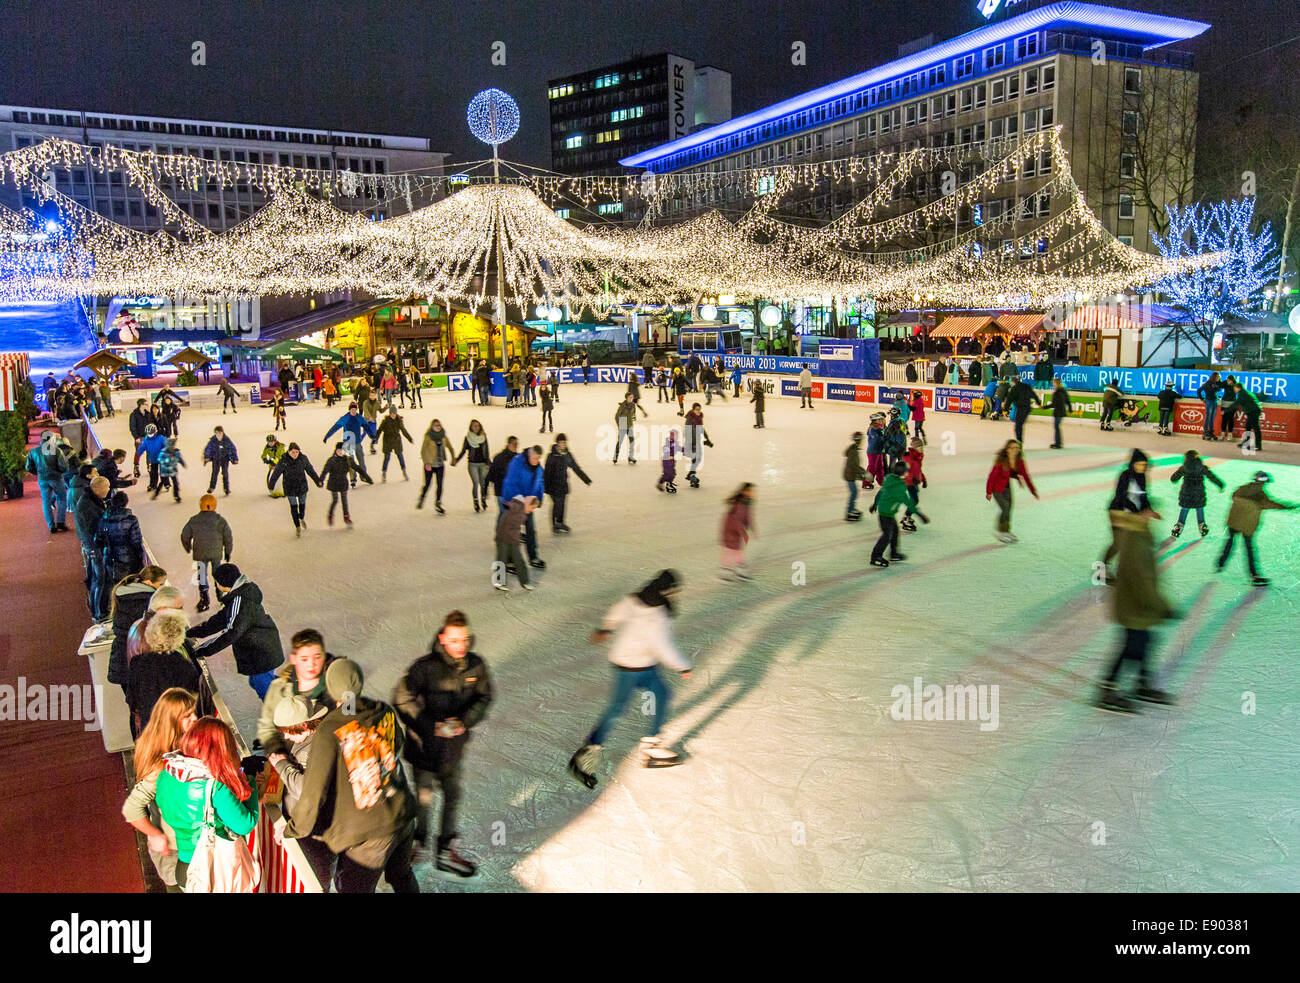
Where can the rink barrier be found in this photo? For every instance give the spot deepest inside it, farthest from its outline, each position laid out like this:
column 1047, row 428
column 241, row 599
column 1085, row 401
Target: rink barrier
column 284, row 868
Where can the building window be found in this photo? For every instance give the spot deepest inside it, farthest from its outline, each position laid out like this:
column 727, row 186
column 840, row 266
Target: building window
column 1013, row 87
column 1132, row 80
column 999, row 92
column 910, row 117
column 967, row 99
column 1026, row 47
column 884, row 122
column 562, row 213
column 1125, row 206
column 1128, row 165
column 1046, row 117
column 1130, row 123
column 1030, row 121
column 573, row 142
column 871, row 126
column 1049, row 77
column 921, row 108
column 995, row 57
column 611, row 208
column 1125, row 240
column 981, row 92
column 1031, row 81
column 950, row 104
column 963, row 67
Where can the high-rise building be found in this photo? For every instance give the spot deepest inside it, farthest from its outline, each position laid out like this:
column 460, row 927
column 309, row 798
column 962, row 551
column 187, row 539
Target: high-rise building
column 365, row 154
column 1124, row 99
column 601, row 115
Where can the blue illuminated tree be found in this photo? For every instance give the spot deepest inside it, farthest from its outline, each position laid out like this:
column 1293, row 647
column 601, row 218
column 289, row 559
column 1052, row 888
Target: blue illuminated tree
column 1231, row 285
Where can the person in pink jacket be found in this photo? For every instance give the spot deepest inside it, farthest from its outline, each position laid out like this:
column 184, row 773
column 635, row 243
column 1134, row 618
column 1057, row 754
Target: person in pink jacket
column 737, row 527
column 917, row 405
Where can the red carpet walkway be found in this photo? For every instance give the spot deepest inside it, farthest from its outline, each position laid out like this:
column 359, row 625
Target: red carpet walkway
column 61, row 827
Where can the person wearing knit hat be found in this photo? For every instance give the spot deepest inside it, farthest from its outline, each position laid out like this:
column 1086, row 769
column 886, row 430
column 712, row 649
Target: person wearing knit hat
column 643, row 640
column 296, row 469
column 86, row 515
column 853, row 473
column 154, row 444
column 1130, row 496
column 209, row 541
column 1248, row 505
column 356, row 785
column 50, row 467
column 244, row 626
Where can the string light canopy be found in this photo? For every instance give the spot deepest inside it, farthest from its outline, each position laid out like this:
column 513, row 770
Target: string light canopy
column 502, row 237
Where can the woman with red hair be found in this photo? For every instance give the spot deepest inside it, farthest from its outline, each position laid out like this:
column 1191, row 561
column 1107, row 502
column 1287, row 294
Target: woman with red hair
column 207, row 753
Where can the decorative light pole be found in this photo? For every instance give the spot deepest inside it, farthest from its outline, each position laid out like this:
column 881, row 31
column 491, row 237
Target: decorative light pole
column 494, row 118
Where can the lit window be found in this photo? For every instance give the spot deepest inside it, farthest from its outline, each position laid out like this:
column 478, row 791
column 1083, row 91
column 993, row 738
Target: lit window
column 1026, row 47
column 611, row 208
column 963, row 67
column 562, row 213
column 573, row 142
column 995, row 56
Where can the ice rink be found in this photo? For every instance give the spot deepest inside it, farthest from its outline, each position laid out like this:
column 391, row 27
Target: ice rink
column 797, row 777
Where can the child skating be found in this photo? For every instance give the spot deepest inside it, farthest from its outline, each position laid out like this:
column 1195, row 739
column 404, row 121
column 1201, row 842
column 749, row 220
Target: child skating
column 509, row 535
column 758, row 399
column 271, row 454
column 853, row 473
column 892, row 495
column 207, row 539
column 914, row 481
column 668, row 477
column 170, row 461
column 1008, row 466
column 737, row 528
column 1191, row 495
column 917, row 407
column 875, row 452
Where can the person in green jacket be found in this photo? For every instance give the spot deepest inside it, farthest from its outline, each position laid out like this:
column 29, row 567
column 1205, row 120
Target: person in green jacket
column 893, row 493
column 206, row 756
column 1248, row 504
column 853, row 473
column 1138, row 606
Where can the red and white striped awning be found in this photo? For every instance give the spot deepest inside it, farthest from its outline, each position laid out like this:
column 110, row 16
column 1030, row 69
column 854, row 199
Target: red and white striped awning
column 14, row 368
column 1105, row 318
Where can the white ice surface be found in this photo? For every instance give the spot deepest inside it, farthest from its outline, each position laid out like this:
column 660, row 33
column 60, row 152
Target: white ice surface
column 797, row 778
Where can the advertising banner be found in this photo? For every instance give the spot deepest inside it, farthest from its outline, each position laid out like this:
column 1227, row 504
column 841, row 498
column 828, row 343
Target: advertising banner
column 852, row 392
column 848, row 358
column 887, row 394
column 765, row 363
column 1276, row 423
column 771, row 384
column 255, row 394
column 1280, row 387
column 790, row 387
column 951, row 400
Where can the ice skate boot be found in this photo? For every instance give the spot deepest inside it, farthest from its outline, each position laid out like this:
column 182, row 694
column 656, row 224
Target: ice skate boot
column 1177, row 530
column 205, row 599
column 1260, row 581
column 655, row 755
column 451, row 862
column 670, row 488
column 694, row 479
column 854, row 516
column 583, row 764
column 1149, row 694
column 1205, row 529
column 1109, row 698
column 882, row 562
column 908, row 523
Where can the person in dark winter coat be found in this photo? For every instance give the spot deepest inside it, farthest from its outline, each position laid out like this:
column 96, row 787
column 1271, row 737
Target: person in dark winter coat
column 625, row 420
column 909, row 372
column 170, row 461
column 1130, row 496
column 1228, row 408
column 1248, row 406
column 1168, row 396
column 975, row 374
column 1138, row 607
column 853, row 473
column 1248, row 504
column 555, row 480
column 355, row 428
column 1061, row 408
column 1110, row 397
column 86, row 517
column 1022, row 397
column 507, row 536
column 209, row 541
column 295, row 469
column 440, row 699
column 130, row 601
column 119, row 540
column 759, row 399
column 109, row 464
column 391, row 431
column 334, row 475
column 496, row 475
column 164, row 663
column 1043, row 372
column 1192, row 473
column 220, row 453
column 548, row 404
column 1209, row 393
column 244, row 626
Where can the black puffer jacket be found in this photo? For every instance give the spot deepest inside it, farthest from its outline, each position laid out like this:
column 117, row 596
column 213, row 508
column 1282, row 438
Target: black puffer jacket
column 130, row 601
column 1193, row 474
column 120, row 542
column 555, row 478
column 245, row 626
column 335, row 472
column 1123, row 501
column 435, row 688
column 497, row 472
column 295, row 474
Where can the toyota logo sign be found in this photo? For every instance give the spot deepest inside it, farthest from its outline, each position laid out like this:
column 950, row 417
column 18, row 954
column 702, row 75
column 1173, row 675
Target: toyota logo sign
column 1192, row 415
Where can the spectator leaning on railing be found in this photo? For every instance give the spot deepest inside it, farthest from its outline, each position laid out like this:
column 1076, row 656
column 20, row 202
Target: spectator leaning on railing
column 244, row 626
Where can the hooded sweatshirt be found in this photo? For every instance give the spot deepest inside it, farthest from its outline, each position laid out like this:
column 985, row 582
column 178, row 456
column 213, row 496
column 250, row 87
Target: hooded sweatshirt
column 285, row 684
column 644, row 635
column 181, row 792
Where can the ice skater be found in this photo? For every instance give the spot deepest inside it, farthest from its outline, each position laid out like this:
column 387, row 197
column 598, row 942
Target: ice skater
column 1248, row 504
column 278, row 411
column 509, row 533
column 548, row 404
column 296, row 469
column 914, row 481
column 625, row 420
column 220, row 452
column 335, row 474
column 668, row 477
column 758, row 399
column 391, row 431
column 208, row 540
column 875, row 451
column 895, row 438
column 737, row 529
column 1138, row 607
column 853, row 473
column 1061, row 408
column 643, row 640
column 1191, row 495
column 917, row 406
column 355, row 429
column 680, row 389
column 634, row 390
column 1168, row 396
column 1130, row 496
column 1110, row 398
column 1008, row 466
column 435, row 451
column 475, row 447
column 170, row 461
column 696, row 438
column 555, row 480
column 892, row 495
column 271, row 454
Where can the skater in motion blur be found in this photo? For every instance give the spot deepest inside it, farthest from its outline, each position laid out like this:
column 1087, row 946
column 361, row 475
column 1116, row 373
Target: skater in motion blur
column 1138, row 607
column 853, row 473
column 1248, row 504
column 696, row 438
column 668, row 477
column 1009, row 465
column 1130, row 496
column 643, row 639
column 737, row 528
column 1191, row 495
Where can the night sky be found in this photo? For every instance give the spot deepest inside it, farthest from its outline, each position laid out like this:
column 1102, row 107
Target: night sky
column 411, row 68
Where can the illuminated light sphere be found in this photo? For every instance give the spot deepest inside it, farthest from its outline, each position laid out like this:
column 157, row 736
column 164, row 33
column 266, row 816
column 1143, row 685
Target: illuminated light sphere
column 770, row 315
column 493, row 117
column 540, row 311
column 1293, row 320
column 554, row 314
column 709, row 313
column 51, row 226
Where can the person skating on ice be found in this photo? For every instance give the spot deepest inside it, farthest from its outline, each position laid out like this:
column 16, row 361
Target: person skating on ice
column 1130, row 496
column 1191, row 495
column 642, row 641
column 1248, row 504
column 525, row 477
column 391, row 431
column 625, row 420
column 294, row 467
column 1110, row 398
column 475, row 448
column 895, row 438
column 805, row 387
column 435, row 452
column 1008, row 466
column 853, row 472
column 496, row 475
column 208, row 540
column 661, row 383
column 272, row 451
column 737, row 377
column 917, row 413
column 889, row 499
column 696, row 438
column 355, row 429
column 875, row 451
column 170, row 461
column 1061, row 408
column 668, row 477
column 555, row 480
column 517, row 512
column 1138, row 606
column 1165, row 400
column 220, row 452
column 759, row 399
column 1021, row 396
column 680, row 389
column 634, row 390
column 1209, row 394
column 1248, row 406
column 334, row 475
column 548, row 405
column 737, row 529
column 279, row 412
column 440, row 699
column 914, row 480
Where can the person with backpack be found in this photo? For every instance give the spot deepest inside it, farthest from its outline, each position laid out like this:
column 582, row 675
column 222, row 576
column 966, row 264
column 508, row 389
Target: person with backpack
column 208, row 540
column 244, row 626
column 876, row 447
column 119, row 540
column 441, row 698
column 1191, row 495
column 220, row 452
column 354, row 793
column 642, row 642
